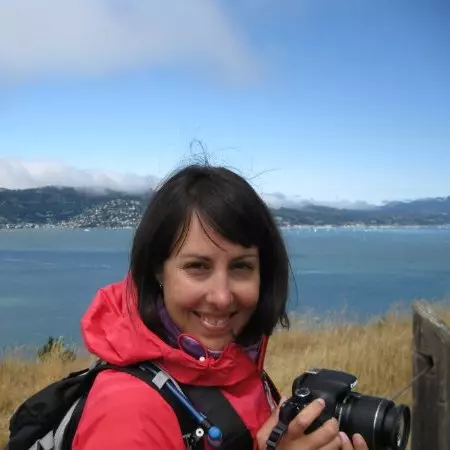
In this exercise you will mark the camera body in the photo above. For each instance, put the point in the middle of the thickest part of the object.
(331, 385)
(384, 425)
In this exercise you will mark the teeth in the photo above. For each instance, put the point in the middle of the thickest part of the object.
(215, 321)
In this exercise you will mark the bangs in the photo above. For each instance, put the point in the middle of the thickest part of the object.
(236, 234)
(233, 220)
(232, 213)
(238, 230)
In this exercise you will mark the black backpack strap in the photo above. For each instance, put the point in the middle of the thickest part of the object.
(213, 404)
(69, 432)
(186, 422)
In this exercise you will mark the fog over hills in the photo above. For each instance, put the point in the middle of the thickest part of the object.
(21, 174)
(25, 174)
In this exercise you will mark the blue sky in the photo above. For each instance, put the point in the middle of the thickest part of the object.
(332, 100)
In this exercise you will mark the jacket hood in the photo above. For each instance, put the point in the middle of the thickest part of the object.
(113, 331)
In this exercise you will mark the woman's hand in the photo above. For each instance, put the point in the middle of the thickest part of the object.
(326, 437)
(358, 442)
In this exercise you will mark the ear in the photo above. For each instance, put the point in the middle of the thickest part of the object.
(159, 278)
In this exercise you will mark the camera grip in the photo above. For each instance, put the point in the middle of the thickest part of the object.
(290, 409)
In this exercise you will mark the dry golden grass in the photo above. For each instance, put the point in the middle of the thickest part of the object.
(379, 353)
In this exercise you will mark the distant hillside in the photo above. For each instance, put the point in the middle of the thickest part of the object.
(434, 211)
(68, 207)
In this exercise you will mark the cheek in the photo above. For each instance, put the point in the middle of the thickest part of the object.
(249, 297)
(182, 294)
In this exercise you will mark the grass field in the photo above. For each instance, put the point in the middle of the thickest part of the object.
(378, 352)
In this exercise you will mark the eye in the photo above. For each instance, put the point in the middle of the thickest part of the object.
(243, 265)
(196, 266)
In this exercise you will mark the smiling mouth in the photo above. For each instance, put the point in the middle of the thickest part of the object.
(214, 322)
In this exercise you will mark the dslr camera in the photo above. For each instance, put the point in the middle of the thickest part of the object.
(384, 425)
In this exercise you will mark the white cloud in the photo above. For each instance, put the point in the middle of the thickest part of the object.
(97, 37)
(18, 173)
(277, 200)
(22, 174)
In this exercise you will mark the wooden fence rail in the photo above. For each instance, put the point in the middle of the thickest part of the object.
(431, 390)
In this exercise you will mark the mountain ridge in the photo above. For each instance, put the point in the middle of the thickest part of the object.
(74, 207)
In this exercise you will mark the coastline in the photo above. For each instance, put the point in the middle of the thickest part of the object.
(356, 226)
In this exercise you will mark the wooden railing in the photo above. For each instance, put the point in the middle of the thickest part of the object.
(431, 374)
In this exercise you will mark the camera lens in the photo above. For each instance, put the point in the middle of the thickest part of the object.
(397, 423)
(400, 431)
(383, 425)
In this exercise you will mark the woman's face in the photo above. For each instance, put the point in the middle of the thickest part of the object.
(210, 291)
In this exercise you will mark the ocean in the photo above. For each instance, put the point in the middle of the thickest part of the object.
(48, 277)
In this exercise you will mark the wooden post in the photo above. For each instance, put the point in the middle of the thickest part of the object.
(431, 392)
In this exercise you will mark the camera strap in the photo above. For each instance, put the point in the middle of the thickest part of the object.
(276, 434)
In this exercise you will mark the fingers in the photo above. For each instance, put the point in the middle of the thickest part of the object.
(335, 444)
(324, 437)
(306, 417)
(346, 444)
(357, 443)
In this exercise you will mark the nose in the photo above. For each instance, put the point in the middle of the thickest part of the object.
(219, 293)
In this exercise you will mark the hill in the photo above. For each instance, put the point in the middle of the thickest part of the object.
(69, 207)
(421, 212)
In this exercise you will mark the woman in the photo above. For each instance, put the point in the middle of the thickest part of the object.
(207, 285)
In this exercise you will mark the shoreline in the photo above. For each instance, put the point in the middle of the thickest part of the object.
(359, 226)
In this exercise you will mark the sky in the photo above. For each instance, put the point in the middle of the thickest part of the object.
(334, 101)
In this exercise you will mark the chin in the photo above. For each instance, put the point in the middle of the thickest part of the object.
(216, 344)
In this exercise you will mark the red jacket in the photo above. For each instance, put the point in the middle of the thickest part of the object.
(122, 412)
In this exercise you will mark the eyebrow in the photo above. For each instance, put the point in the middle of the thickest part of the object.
(207, 258)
